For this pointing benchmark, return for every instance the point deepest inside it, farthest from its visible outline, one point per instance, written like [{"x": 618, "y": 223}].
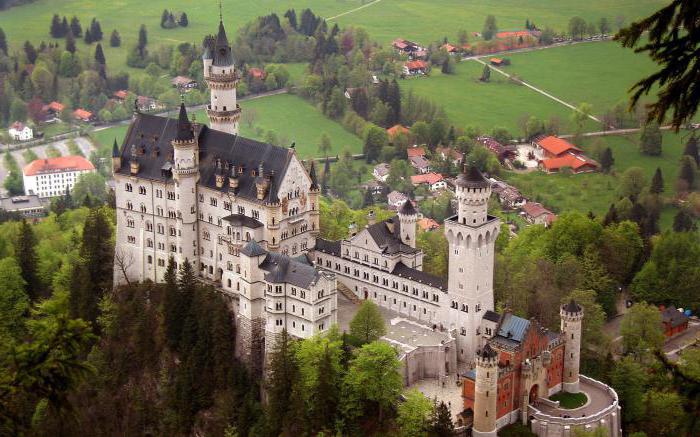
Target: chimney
[
  {"x": 371, "y": 217},
  {"x": 352, "y": 229}
]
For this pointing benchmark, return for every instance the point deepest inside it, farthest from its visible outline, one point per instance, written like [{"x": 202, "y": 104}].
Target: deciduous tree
[{"x": 368, "y": 324}]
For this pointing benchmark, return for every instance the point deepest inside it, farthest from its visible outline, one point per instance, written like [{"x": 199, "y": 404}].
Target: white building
[
  {"x": 52, "y": 176},
  {"x": 20, "y": 131}
]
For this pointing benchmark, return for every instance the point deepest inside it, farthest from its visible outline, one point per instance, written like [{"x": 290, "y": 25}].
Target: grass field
[
  {"x": 422, "y": 20},
  {"x": 598, "y": 73},
  {"x": 500, "y": 102},
  {"x": 570, "y": 400},
  {"x": 596, "y": 191},
  {"x": 288, "y": 116}
]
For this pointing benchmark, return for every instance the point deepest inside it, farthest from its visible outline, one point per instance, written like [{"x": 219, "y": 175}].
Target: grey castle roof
[
  {"x": 282, "y": 269},
  {"x": 327, "y": 246},
  {"x": 472, "y": 178},
  {"x": 404, "y": 271},
  {"x": 488, "y": 352},
  {"x": 572, "y": 307},
  {"x": 513, "y": 327},
  {"x": 407, "y": 208},
  {"x": 184, "y": 127},
  {"x": 151, "y": 135},
  {"x": 222, "y": 50},
  {"x": 387, "y": 240},
  {"x": 492, "y": 316},
  {"x": 253, "y": 249},
  {"x": 243, "y": 220}
]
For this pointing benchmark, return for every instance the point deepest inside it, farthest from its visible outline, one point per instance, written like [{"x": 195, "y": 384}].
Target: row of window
[{"x": 464, "y": 307}]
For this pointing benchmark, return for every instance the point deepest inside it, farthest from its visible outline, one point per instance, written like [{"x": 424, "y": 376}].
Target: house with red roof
[
  {"x": 537, "y": 214},
  {"x": 83, "y": 115},
  {"x": 397, "y": 129},
  {"x": 577, "y": 163},
  {"x": 51, "y": 177},
  {"x": 673, "y": 320},
  {"x": 427, "y": 224},
  {"x": 434, "y": 181},
  {"x": 416, "y": 68},
  {"x": 553, "y": 147},
  {"x": 257, "y": 73},
  {"x": 20, "y": 132},
  {"x": 449, "y": 153},
  {"x": 415, "y": 151},
  {"x": 121, "y": 95},
  {"x": 54, "y": 109},
  {"x": 449, "y": 48}
]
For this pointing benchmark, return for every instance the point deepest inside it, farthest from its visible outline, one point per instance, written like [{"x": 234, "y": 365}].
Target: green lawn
[
  {"x": 470, "y": 102},
  {"x": 596, "y": 191},
  {"x": 429, "y": 20},
  {"x": 570, "y": 400},
  {"x": 598, "y": 73},
  {"x": 288, "y": 116}
]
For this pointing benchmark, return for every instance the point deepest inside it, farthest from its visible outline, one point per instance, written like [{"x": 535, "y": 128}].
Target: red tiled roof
[
  {"x": 534, "y": 209},
  {"x": 181, "y": 80},
  {"x": 569, "y": 160},
  {"x": 17, "y": 125},
  {"x": 56, "y": 106},
  {"x": 449, "y": 47},
  {"x": 399, "y": 43},
  {"x": 415, "y": 151},
  {"x": 428, "y": 224},
  {"x": 396, "y": 129},
  {"x": 256, "y": 73},
  {"x": 121, "y": 94},
  {"x": 60, "y": 164},
  {"x": 556, "y": 146},
  {"x": 428, "y": 178},
  {"x": 82, "y": 114},
  {"x": 517, "y": 33},
  {"x": 417, "y": 65},
  {"x": 496, "y": 60}
]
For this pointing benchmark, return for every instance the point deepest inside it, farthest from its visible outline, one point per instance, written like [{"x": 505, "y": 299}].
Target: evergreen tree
[
  {"x": 70, "y": 43},
  {"x": 611, "y": 216},
  {"x": 326, "y": 177},
  {"x": 56, "y": 30},
  {"x": 75, "y": 27},
  {"x": 485, "y": 74},
  {"x": 187, "y": 285},
  {"x": 684, "y": 221},
  {"x": 183, "y": 21},
  {"x": 606, "y": 160},
  {"x": 441, "y": 424},
  {"x": 101, "y": 61},
  {"x": 115, "y": 40},
  {"x": 595, "y": 277},
  {"x": 25, "y": 252},
  {"x": 360, "y": 102},
  {"x": 657, "y": 182},
  {"x": 96, "y": 30},
  {"x": 326, "y": 397},
  {"x": 282, "y": 378},
  {"x": 88, "y": 37},
  {"x": 143, "y": 38},
  {"x": 490, "y": 28},
  {"x": 394, "y": 103},
  {"x": 3, "y": 42},
  {"x": 686, "y": 175},
  {"x": 291, "y": 16},
  {"x": 368, "y": 199},
  {"x": 64, "y": 27},
  {"x": 650, "y": 140},
  {"x": 164, "y": 18},
  {"x": 30, "y": 52},
  {"x": 691, "y": 147},
  {"x": 171, "y": 305}
]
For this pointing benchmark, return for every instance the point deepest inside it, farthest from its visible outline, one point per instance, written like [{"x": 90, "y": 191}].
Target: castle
[{"x": 246, "y": 216}]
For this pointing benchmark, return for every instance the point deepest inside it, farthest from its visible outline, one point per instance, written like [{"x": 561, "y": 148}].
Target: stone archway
[{"x": 534, "y": 390}]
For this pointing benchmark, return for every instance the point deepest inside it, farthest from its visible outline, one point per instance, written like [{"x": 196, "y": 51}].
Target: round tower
[
  {"x": 221, "y": 76},
  {"x": 571, "y": 316},
  {"x": 485, "y": 392},
  {"x": 472, "y": 192},
  {"x": 186, "y": 175},
  {"x": 314, "y": 196},
  {"x": 408, "y": 216}
]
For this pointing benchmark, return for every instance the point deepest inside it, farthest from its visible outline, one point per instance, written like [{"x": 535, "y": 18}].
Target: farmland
[{"x": 291, "y": 118}]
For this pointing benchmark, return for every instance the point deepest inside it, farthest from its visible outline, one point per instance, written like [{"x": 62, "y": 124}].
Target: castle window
[
  {"x": 161, "y": 229},
  {"x": 201, "y": 198},
  {"x": 159, "y": 211},
  {"x": 149, "y": 243},
  {"x": 171, "y": 195},
  {"x": 129, "y": 223},
  {"x": 142, "y": 190},
  {"x": 131, "y": 239},
  {"x": 463, "y": 331},
  {"x": 150, "y": 259},
  {"x": 227, "y": 206},
  {"x": 172, "y": 214},
  {"x": 256, "y": 214},
  {"x": 212, "y": 201},
  {"x": 192, "y": 209},
  {"x": 206, "y": 235},
  {"x": 159, "y": 194},
  {"x": 302, "y": 294},
  {"x": 129, "y": 205},
  {"x": 149, "y": 226},
  {"x": 128, "y": 188}
]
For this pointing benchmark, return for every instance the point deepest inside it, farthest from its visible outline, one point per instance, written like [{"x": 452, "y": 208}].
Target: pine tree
[
  {"x": 611, "y": 216},
  {"x": 490, "y": 28},
  {"x": 143, "y": 39},
  {"x": 441, "y": 424},
  {"x": 183, "y": 21},
  {"x": 283, "y": 376},
  {"x": 187, "y": 286},
  {"x": 486, "y": 74},
  {"x": 25, "y": 252},
  {"x": 325, "y": 400},
  {"x": 64, "y": 27},
  {"x": 368, "y": 199},
  {"x": 99, "y": 55},
  {"x": 30, "y": 52},
  {"x": 326, "y": 177},
  {"x": 691, "y": 149},
  {"x": 3, "y": 42},
  {"x": 171, "y": 305},
  {"x": 650, "y": 140},
  {"x": 606, "y": 160},
  {"x": 687, "y": 173},
  {"x": 115, "y": 40},
  {"x": 96, "y": 30},
  {"x": 684, "y": 221},
  {"x": 291, "y": 15},
  {"x": 394, "y": 102},
  {"x": 657, "y": 183},
  {"x": 595, "y": 277},
  {"x": 75, "y": 27},
  {"x": 164, "y": 18},
  {"x": 88, "y": 37},
  {"x": 70, "y": 42},
  {"x": 56, "y": 29}
]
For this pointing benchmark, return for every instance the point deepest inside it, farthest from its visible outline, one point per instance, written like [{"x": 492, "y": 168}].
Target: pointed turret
[
  {"x": 116, "y": 158},
  {"x": 471, "y": 177},
  {"x": 408, "y": 217},
  {"x": 312, "y": 175},
  {"x": 222, "y": 50},
  {"x": 115, "y": 149},
  {"x": 184, "y": 126}
]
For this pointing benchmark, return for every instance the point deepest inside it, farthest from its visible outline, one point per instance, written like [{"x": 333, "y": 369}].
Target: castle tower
[
  {"x": 471, "y": 236},
  {"x": 116, "y": 157},
  {"x": 485, "y": 393},
  {"x": 408, "y": 218},
  {"x": 571, "y": 316},
  {"x": 222, "y": 78},
  {"x": 251, "y": 307},
  {"x": 186, "y": 176},
  {"x": 314, "y": 195}
]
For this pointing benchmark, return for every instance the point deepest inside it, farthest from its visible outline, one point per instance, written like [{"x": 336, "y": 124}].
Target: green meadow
[{"x": 291, "y": 118}]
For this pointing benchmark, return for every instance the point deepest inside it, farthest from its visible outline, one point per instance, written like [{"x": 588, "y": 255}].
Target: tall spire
[
  {"x": 222, "y": 49},
  {"x": 221, "y": 15},
  {"x": 184, "y": 127},
  {"x": 115, "y": 149}
]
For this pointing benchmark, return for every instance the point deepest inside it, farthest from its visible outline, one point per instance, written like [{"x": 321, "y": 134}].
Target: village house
[
  {"x": 183, "y": 82},
  {"x": 556, "y": 154},
  {"x": 147, "y": 104},
  {"x": 374, "y": 187},
  {"x": 502, "y": 152},
  {"x": 409, "y": 48},
  {"x": 427, "y": 224},
  {"x": 420, "y": 164},
  {"x": 29, "y": 207},
  {"x": 537, "y": 214},
  {"x": 449, "y": 48},
  {"x": 575, "y": 162},
  {"x": 54, "y": 109},
  {"x": 395, "y": 199},
  {"x": 20, "y": 132},
  {"x": 83, "y": 115},
  {"x": 381, "y": 171},
  {"x": 496, "y": 62},
  {"x": 120, "y": 95},
  {"x": 552, "y": 147},
  {"x": 508, "y": 196},
  {"x": 673, "y": 320},
  {"x": 417, "y": 67},
  {"x": 415, "y": 151},
  {"x": 257, "y": 73},
  {"x": 434, "y": 181},
  {"x": 397, "y": 129},
  {"x": 449, "y": 153}
]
